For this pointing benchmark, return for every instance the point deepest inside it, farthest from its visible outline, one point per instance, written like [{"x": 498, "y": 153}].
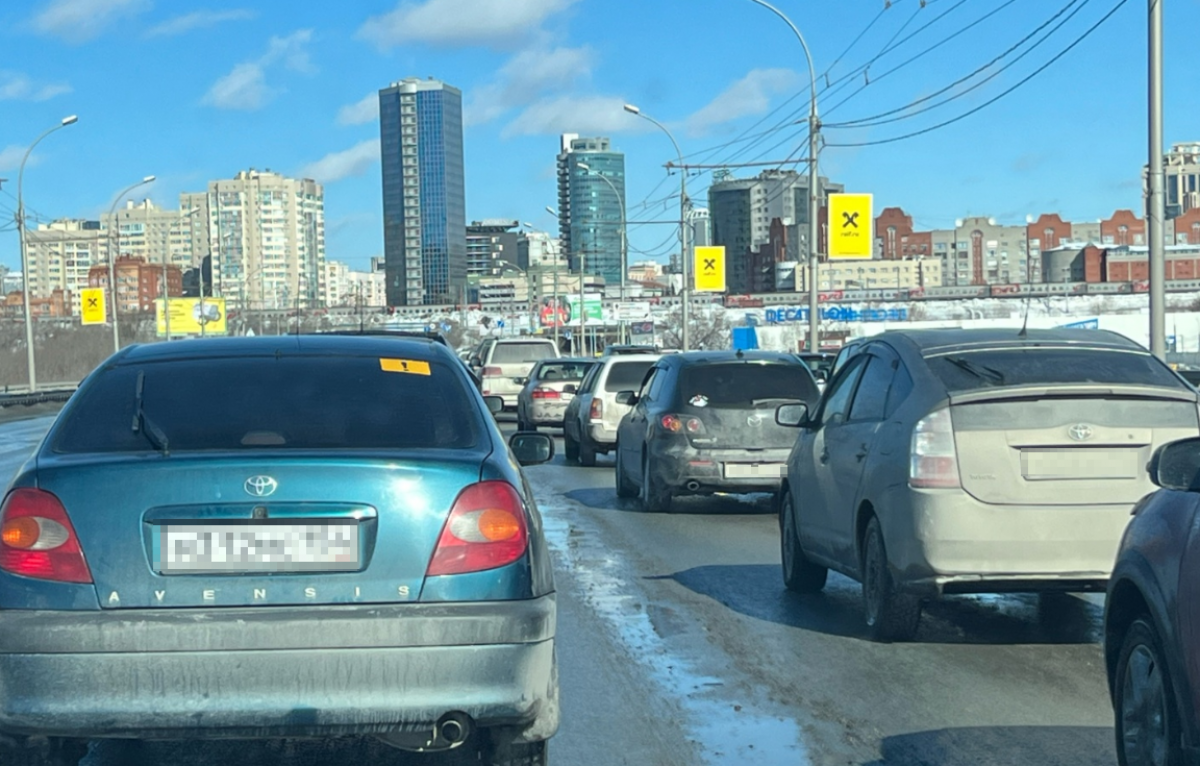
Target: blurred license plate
[
  {"x": 754, "y": 470},
  {"x": 258, "y": 547}
]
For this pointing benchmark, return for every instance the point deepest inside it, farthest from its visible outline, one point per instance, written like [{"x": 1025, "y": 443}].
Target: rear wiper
[
  {"x": 978, "y": 370},
  {"x": 144, "y": 425}
]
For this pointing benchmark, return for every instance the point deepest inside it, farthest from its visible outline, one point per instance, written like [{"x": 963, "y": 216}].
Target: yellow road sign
[
  {"x": 188, "y": 315},
  {"x": 91, "y": 305},
  {"x": 850, "y": 227},
  {"x": 709, "y": 268}
]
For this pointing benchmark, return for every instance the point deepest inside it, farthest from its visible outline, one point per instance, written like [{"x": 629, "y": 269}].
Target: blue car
[{"x": 278, "y": 536}]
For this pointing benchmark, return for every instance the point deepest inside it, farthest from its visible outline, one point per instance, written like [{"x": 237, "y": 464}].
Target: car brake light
[
  {"x": 492, "y": 371},
  {"x": 37, "y": 538},
  {"x": 678, "y": 424},
  {"x": 597, "y": 410},
  {"x": 486, "y": 529},
  {"x": 934, "y": 458},
  {"x": 545, "y": 393}
]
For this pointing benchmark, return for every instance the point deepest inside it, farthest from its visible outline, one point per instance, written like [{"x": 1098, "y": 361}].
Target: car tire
[
  {"x": 625, "y": 490},
  {"x": 890, "y": 615},
  {"x": 800, "y": 575},
  {"x": 570, "y": 447},
  {"x": 654, "y": 497},
  {"x": 1143, "y": 695},
  {"x": 587, "y": 454},
  {"x": 43, "y": 751}
]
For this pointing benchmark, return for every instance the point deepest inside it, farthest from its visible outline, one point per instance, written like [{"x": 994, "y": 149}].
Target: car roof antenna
[{"x": 1025, "y": 324}]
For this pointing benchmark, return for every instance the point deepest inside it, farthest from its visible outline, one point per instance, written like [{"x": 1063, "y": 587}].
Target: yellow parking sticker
[{"x": 411, "y": 366}]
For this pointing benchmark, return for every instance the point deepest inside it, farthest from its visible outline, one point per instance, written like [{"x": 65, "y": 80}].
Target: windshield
[
  {"x": 968, "y": 370},
  {"x": 563, "y": 370},
  {"x": 741, "y": 384},
  {"x": 626, "y": 376},
  {"x": 518, "y": 353},
  {"x": 255, "y": 403}
]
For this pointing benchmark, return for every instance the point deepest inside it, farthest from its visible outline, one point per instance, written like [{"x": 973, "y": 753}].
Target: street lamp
[
  {"x": 114, "y": 232},
  {"x": 814, "y": 209},
  {"x": 684, "y": 259},
  {"x": 29, "y": 354},
  {"x": 624, "y": 229}
]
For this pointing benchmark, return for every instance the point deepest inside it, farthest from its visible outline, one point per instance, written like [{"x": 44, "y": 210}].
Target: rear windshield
[
  {"x": 296, "y": 402},
  {"x": 563, "y": 370},
  {"x": 971, "y": 370},
  {"x": 740, "y": 384},
  {"x": 516, "y": 353},
  {"x": 626, "y": 376}
]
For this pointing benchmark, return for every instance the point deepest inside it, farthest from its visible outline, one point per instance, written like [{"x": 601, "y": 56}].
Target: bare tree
[{"x": 708, "y": 329}]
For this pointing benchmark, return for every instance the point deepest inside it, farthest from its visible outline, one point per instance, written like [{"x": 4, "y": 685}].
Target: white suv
[
  {"x": 507, "y": 364},
  {"x": 591, "y": 420}
]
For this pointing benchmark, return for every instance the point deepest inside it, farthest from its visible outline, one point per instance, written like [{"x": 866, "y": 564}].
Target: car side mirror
[
  {"x": 522, "y": 381},
  {"x": 531, "y": 448},
  {"x": 495, "y": 404},
  {"x": 792, "y": 415},
  {"x": 570, "y": 388},
  {"x": 1177, "y": 465},
  {"x": 627, "y": 397},
  {"x": 476, "y": 361}
]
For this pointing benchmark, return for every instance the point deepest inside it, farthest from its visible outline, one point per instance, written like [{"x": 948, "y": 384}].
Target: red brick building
[
  {"x": 895, "y": 238},
  {"x": 58, "y": 304},
  {"x": 1187, "y": 228},
  {"x": 139, "y": 283},
  {"x": 1124, "y": 229}
]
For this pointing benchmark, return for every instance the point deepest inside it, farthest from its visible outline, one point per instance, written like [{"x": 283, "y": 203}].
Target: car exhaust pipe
[
  {"x": 453, "y": 728},
  {"x": 692, "y": 486}
]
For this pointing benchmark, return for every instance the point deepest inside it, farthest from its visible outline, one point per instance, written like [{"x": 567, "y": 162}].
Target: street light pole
[
  {"x": 1156, "y": 213},
  {"x": 814, "y": 197},
  {"x": 624, "y": 224},
  {"x": 25, "y": 297},
  {"x": 684, "y": 258},
  {"x": 114, "y": 232}
]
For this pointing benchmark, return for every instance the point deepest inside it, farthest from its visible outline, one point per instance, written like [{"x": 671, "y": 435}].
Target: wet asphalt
[{"x": 679, "y": 645}]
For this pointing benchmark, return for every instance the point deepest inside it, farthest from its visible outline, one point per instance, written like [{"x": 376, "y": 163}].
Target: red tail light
[
  {"x": 486, "y": 529},
  {"x": 37, "y": 538},
  {"x": 597, "y": 410},
  {"x": 493, "y": 371},
  {"x": 677, "y": 424},
  {"x": 545, "y": 393}
]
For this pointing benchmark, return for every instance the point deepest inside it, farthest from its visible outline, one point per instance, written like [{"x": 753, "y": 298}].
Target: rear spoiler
[{"x": 1072, "y": 389}]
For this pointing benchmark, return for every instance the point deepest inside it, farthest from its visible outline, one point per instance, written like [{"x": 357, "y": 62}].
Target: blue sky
[{"x": 193, "y": 90}]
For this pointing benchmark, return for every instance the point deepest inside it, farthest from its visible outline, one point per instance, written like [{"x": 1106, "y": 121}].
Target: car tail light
[
  {"x": 37, "y": 538},
  {"x": 934, "y": 458},
  {"x": 597, "y": 410},
  {"x": 678, "y": 424},
  {"x": 486, "y": 529},
  {"x": 492, "y": 371},
  {"x": 545, "y": 393}
]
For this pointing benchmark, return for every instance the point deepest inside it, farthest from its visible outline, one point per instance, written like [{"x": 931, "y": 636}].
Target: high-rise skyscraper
[
  {"x": 424, "y": 192},
  {"x": 589, "y": 213}
]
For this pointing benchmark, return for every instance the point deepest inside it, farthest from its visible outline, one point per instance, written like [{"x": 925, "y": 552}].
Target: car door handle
[
  {"x": 824, "y": 456},
  {"x": 863, "y": 451}
]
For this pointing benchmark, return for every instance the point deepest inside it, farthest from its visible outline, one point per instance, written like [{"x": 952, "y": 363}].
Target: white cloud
[
  {"x": 360, "y": 112},
  {"x": 245, "y": 87},
  {"x": 528, "y": 76},
  {"x": 338, "y": 165},
  {"x": 495, "y": 23},
  {"x": 10, "y": 157},
  {"x": 77, "y": 21},
  {"x": 575, "y": 114},
  {"x": 17, "y": 86},
  {"x": 748, "y": 96},
  {"x": 198, "y": 20}
]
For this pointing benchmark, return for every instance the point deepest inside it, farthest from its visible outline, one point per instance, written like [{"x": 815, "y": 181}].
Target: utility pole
[{"x": 1155, "y": 202}]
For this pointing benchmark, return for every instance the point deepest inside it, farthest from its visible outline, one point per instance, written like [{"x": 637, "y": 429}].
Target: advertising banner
[{"x": 192, "y": 316}]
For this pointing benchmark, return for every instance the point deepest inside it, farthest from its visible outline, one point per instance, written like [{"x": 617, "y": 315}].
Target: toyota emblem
[
  {"x": 1081, "y": 432},
  {"x": 261, "y": 486}
]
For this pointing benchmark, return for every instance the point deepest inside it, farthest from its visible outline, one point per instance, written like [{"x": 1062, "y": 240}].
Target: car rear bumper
[
  {"x": 687, "y": 470},
  {"x": 362, "y": 669},
  {"x": 953, "y": 543},
  {"x": 601, "y": 436},
  {"x": 543, "y": 413}
]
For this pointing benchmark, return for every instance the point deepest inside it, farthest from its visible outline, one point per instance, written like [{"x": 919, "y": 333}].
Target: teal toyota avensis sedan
[{"x": 268, "y": 537}]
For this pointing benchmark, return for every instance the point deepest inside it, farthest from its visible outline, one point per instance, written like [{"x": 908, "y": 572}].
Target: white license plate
[
  {"x": 258, "y": 547},
  {"x": 755, "y": 470},
  {"x": 1090, "y": 463}
]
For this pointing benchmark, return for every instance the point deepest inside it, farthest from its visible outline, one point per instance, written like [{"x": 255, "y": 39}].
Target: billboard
[
  {"x": 192, "y": 316},
  {"x": 92, "y": 306},
  {"x": 709, "y": 265},
  {"x": 592, "y": 307},
  {"x": 850, "y": 227}
]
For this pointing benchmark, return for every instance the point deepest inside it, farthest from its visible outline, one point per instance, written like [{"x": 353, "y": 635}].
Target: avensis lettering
[
  {"x": 261, "y": 594},
  {"x": 838, "y": 314}
]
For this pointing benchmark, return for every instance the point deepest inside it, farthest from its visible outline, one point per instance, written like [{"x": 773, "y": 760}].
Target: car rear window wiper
[
  {"x": 144, "y": 425},
  {"x": 978, "y": 370}
]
